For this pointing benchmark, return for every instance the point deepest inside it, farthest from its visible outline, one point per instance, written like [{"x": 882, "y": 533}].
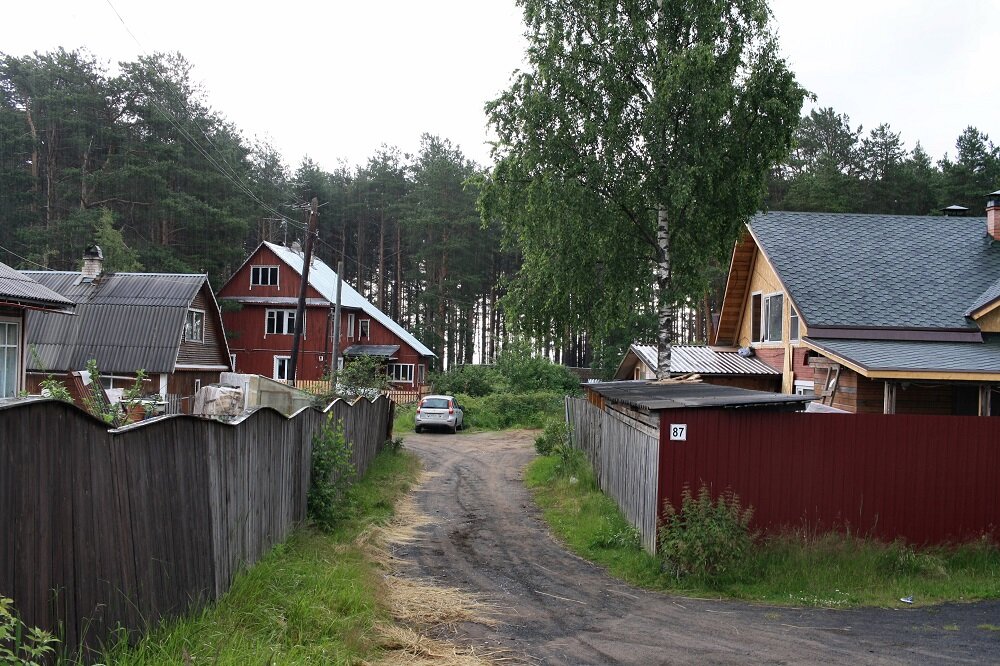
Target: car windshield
[{"x": 435, "y": 403}]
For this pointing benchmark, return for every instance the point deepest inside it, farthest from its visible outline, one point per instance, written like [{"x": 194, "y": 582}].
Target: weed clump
[
  {"x": 556, "y": 434},
  {"x": 332, "y": 472},
  {"x": 707, "y": 538}
]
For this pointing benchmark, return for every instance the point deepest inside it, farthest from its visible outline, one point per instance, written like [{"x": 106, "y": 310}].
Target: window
[
  {"x": 263, "y": 276},
  {"x": 232, "y": 362},
  {"x": 350, "y": 325},
  {"x": 755, "y": 309},
  {"x": 400, "y": 372},
  {"x": 793, "y": 324},
  {"x": 421, "y": 369},
  {"x": 194, "y": 326},
  {"x": 280, "y": 322},
  {"x": 10, "y": 356},
  {"x": 773, "y": 312},
  {"x": 803, "y": 387},
  {"x": 364, "y": 327},
  {"x": 281, "y": 367}
]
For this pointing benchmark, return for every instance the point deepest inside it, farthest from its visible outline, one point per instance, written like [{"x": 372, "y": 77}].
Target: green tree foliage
[
  {"x": 667, "y": 115},
  {"x": 364, "y": 376},
  {"x": 331, "y": 473}
]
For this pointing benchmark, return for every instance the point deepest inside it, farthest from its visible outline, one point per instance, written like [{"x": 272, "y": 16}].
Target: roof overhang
[{"x": 866, "y": 366}]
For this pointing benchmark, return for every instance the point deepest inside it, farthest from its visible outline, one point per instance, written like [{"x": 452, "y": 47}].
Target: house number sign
[{"x": 678, "y": 432}]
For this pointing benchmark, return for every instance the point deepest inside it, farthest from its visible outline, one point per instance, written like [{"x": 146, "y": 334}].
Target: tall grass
[
  {"x": 312, "y": 600},
  {"x": 830, "y": 570}
]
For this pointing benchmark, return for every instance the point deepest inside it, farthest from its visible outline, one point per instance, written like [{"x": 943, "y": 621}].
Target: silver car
[{"x": 439, "y": 411}]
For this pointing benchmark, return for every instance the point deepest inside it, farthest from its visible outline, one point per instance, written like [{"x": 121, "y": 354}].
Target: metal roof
[
  {"x": 384, "y": 351},
  {"x": 324, "y": 280},
  {"x": 125, "y": 321},
  {"x": 881, "y": 271},
  {"x": 687, "y": 395},
  {"x": 17, "y": 287},
  {"x": 908, "y": 356},
  {"x": 686, "y": 359}
]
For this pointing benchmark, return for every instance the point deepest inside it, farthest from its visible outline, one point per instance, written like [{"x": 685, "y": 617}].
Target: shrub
[
  {"x": 332, "y": 472},
  {"x": 20, "y": 644},
  {"x": 556, "y": 434},
  {"x": 364, "y": 376},
  {"x": 501, "y": 411},
  {"x": 524, "y": 372},
  {"x": 707, "y": 538},
  {"x": 471, "y": 380}
]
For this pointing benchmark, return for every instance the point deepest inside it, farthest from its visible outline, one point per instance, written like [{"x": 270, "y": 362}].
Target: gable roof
[
  {"x": 125, "y": 321},
  {"x": 323, "y": 279},
  {"x": 881, "y": 271},
  {"x": 700, "y": 359},
  {"x": 18, "y": 288}
]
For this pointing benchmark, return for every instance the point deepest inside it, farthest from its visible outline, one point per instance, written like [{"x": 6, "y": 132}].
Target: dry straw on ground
[{"x": 421, "y": 606}]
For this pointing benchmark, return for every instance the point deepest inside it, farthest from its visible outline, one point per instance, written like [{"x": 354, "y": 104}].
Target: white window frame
[
  {"x": 188, "y": 327},
  {"x": 400, "y": 373},
  {"x": 364, "y": 328},
  {"x": 259, "y": 270},
  {"x": 765, "y": 309},
  {"x": 15, "y": 349},
  {"x": 232, "y": 361},
  {"x": 350, "y": 325},
  {"x": 276, "y": 363},
  {"x": 287, "y": 314},
  {"x": 794, "y": 332},
  {"x": 804, "y": 387}
]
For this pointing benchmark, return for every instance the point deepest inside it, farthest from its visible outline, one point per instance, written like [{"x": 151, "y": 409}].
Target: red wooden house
[{"x": 259, "y": 303}]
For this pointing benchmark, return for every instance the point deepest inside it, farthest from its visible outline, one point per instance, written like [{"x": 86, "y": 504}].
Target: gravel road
[{"x": 487, "y": 538}]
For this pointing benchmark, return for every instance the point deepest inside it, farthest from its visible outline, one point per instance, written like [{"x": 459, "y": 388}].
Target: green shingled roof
[{"x": 881, "y": 271}]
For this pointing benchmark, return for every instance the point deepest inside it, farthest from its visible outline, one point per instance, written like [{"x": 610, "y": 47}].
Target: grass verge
[
  {"x": 317, "y": 598},
  {"x": 830, "y": 570}
]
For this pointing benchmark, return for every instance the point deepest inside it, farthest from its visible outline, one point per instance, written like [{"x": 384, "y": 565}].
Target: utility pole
[
  {"x": 300, "y": 309},
  {"x": 336, "y": 328}
]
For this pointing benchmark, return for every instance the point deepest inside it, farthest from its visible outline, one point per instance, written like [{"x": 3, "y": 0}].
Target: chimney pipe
[
  {"x": 993, "y": 215},
  {"x": 93, "y": 259}
]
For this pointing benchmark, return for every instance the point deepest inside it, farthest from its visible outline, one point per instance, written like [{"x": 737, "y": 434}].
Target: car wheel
[
  {"x": 416, "y": 429},
  {"x": 454, "y": 429}
]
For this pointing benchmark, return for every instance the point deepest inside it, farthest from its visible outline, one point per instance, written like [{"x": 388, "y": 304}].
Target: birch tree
[{"x": 669, "y": 113}]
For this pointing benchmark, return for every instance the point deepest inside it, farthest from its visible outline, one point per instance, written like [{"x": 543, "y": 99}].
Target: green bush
[
  {"x": 19, "y": 643},
  {"x": 502, "y": 411},
  {"x": 525, "y": 373},
  {"x": 332, "y": 472},
  {"x": 556, "y": 434},
  {"x": 707, "y": 538},
  {"x": 472, "y": 380}
]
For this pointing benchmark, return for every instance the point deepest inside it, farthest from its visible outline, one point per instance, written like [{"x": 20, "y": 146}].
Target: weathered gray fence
[
  {"x": 625, "y": 460},
  {"x": 124, "y": 527}
]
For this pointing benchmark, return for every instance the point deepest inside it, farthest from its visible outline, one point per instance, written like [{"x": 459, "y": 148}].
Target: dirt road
[{"x": 487, "y": 538}]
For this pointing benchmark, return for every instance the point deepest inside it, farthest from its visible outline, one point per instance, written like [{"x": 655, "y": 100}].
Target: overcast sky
[{"x": 336, "y": 79}]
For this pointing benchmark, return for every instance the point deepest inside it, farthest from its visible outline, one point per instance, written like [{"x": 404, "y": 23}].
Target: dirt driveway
[{"x": 486, "y": 537}]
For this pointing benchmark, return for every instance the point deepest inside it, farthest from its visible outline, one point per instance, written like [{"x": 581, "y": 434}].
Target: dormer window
[
  {"x": 194, "y": 326},
  {"x": 263, "y": 276}
]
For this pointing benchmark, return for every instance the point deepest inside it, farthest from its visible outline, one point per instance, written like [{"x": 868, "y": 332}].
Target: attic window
[
  {"x": 194, "y": 326},
  {"x": 755, "y": 309},
  {"x": 793, "y": 324},
  {"x": 773, "y": 311},
  {"x": 263, "y": 276}
]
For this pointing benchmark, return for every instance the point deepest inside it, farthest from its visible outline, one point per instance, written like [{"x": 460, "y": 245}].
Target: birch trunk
[{"x": 665, "y": 304}]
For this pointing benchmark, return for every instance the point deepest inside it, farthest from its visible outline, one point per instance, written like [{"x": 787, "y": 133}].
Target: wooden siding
[
  {"x": 213, "y": 350},
  {"x": 146, "y": 522},
  {"x": 624, "y": 455},
  {"x": 925, "y": 479}
]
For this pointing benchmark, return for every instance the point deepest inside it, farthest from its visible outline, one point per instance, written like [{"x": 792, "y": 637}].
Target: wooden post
[
  {"x": 300, "y": 309},
  {"x": 336, "y": 328},
  {"x": 985, "y": 391},
  {"x": 889, "y": 399}
]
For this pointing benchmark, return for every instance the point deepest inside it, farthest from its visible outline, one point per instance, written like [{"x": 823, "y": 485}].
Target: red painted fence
[{"x": 926, "y": 479}]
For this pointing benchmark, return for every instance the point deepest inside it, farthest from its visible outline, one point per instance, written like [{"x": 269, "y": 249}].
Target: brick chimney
[
  {"x": 993, "y": 215},
  {"x": 93, "y": 259}
]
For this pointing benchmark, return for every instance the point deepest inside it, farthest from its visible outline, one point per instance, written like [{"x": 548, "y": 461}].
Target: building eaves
[
  {"x": 654, "y": 396},
  {"x": 881, "y": 358}
]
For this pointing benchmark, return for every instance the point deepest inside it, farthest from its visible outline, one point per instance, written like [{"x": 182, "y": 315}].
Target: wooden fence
[
  {"x": 625, "y": 460},
  {"x": 125, "y": 527}
]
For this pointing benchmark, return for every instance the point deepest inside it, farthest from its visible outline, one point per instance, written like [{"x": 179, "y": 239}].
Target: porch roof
[{"x": 898, "y": 359}]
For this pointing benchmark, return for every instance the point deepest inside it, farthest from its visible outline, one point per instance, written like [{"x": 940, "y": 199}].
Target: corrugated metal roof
[
  {"x": 889, "y": 355},
  {"x": 324, "y": 280},
  {"x": 18, "y": 287},
  {"x": 687, "y": 395},
  {"x": 385, "y": 351},
  {"x": 125, "y": 321},
  {"x": 685, "y": 359}
]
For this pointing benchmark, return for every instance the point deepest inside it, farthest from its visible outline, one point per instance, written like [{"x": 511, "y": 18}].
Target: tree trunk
[{"x": 665, "y": 305}]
